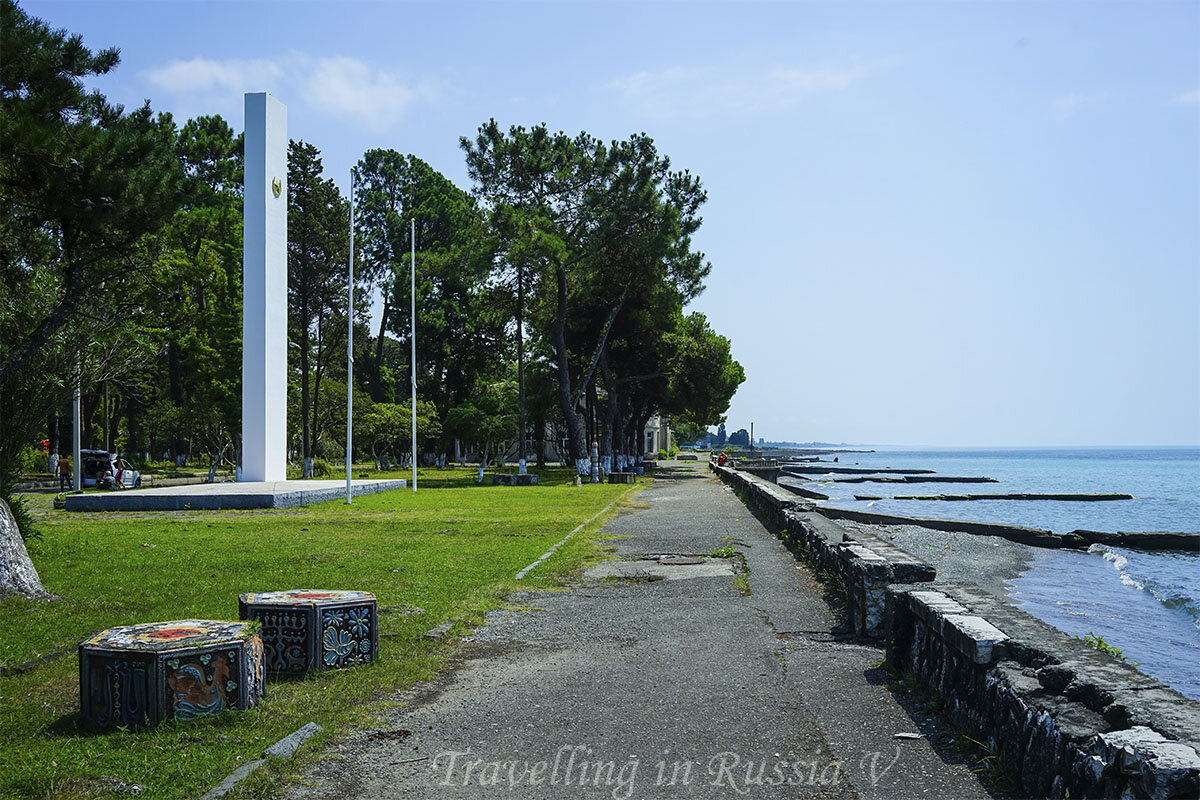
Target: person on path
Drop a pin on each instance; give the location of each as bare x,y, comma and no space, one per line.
64,474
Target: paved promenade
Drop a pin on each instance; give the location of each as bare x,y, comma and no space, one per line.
638,688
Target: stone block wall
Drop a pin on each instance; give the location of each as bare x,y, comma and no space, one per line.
866,564
1063,719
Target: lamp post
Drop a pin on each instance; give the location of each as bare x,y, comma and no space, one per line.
412,310
350,346
76,442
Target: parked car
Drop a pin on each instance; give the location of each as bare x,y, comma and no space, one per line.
97,462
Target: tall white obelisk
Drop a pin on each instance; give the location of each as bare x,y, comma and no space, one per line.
264,291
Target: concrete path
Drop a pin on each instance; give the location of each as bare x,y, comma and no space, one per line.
658,688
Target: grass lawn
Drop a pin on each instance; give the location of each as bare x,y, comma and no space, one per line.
449,551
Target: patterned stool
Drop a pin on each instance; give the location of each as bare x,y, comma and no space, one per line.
308,629
140,675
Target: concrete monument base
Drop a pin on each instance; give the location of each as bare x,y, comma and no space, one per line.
214,496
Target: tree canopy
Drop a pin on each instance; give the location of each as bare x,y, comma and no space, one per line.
551,298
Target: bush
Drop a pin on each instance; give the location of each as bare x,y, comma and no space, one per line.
32,461
16,504
674,451
321,468
662,455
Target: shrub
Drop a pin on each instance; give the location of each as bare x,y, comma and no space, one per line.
32,461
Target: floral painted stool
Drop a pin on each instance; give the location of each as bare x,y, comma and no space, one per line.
313,629
141,675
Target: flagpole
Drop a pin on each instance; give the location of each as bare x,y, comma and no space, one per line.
350,347
412,315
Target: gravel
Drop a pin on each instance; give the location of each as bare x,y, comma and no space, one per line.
982,561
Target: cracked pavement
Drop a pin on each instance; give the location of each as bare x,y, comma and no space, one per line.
680,687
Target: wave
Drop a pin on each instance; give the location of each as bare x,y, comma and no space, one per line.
1165,586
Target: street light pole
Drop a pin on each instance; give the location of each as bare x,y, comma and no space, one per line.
412,311
350,347
76,444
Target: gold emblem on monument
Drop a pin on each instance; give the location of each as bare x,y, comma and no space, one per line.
276,186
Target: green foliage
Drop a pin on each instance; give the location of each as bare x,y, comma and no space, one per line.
31,460
19,507
388,426
487,420
459,326
189,398
606,231
81,183
1100,644
988,763
723,552
318,254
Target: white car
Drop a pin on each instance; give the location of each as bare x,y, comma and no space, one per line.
96,462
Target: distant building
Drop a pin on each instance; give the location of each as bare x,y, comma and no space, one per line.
657,436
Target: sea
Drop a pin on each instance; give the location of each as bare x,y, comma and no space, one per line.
1145,603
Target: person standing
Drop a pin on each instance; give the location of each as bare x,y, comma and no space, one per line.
64,474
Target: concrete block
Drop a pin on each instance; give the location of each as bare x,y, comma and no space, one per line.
288,745
973,636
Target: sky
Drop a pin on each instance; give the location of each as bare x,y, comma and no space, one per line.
960,224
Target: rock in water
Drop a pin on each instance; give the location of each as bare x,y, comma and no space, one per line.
17,575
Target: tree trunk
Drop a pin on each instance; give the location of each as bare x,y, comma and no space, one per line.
175,378
134,445
377,366
608,422
88,402
114,422
17,574
305,441
539,438
575,432
52,439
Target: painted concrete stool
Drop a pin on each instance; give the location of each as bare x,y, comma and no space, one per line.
141,675
313,629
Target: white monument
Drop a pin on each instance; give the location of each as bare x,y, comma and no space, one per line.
264,291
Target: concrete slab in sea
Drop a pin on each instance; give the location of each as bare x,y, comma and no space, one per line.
215,496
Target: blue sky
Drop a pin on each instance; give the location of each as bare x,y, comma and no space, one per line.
929,223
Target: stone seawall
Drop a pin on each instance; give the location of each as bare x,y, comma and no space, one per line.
1062,719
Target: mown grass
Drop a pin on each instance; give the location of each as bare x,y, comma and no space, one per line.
451,551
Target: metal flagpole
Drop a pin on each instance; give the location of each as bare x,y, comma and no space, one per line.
412,315
350,347
76,443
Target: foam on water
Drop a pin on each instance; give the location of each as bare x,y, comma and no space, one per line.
1172,579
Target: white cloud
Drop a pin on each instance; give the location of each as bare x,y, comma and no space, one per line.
1069,102
340,86
709,91
351,88
1187,98
202,75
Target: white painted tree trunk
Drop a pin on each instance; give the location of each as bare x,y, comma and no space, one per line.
17,575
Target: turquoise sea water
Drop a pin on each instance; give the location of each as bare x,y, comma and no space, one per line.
1145,603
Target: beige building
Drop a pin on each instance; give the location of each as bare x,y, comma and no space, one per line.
656,436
